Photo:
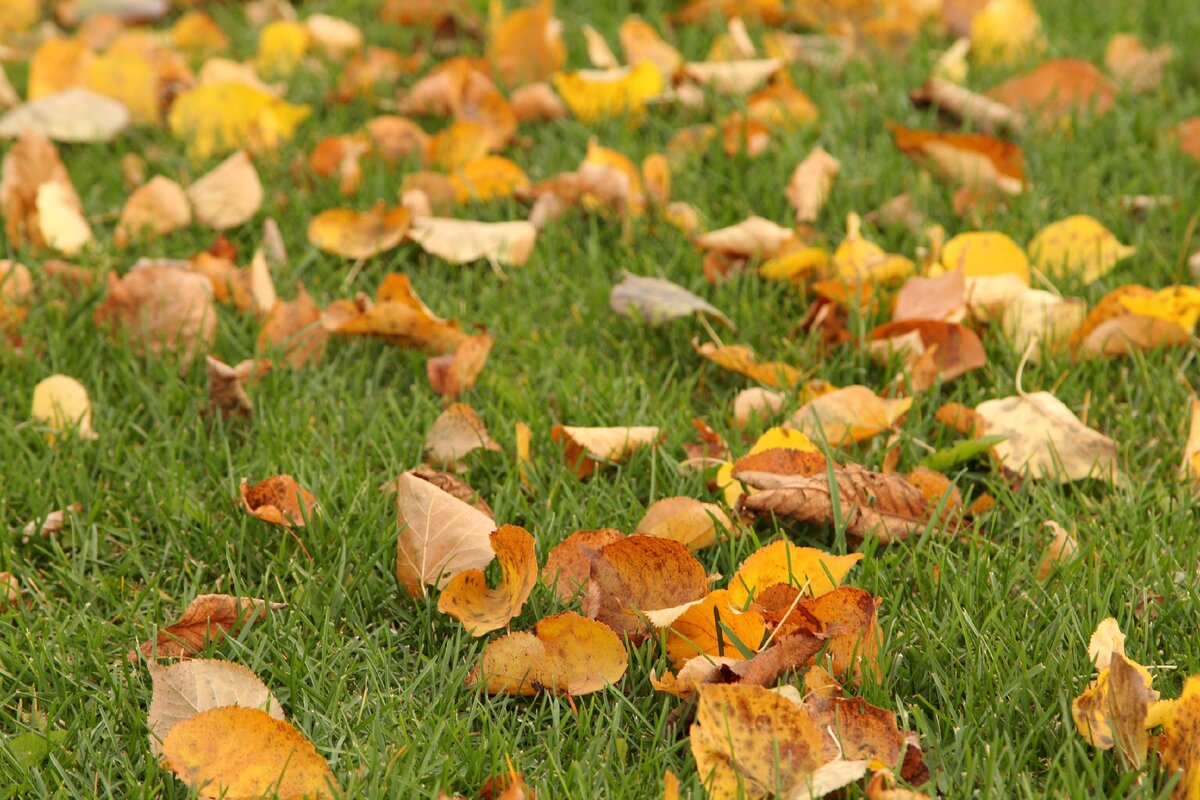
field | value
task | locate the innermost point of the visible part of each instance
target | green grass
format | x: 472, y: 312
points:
x: 982, y: 661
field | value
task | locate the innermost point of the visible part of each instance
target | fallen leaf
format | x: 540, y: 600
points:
x: 1187, y: 133
x: 61, y: 404
x: 1005, y: 32
x: 810, y: 184
x: 1191, y: 448
x: 234, y: 752
x: 457, y: 432
x: 282, y: 44
x: 1057, y: 90
x: 295, y: 328
x: 949, y: 350
x: 585, y: 448
x: 564, y: 653
x: 732, y: 77
x: 527, y: 45
x: 229, y: 195
x: 334, y: 36
x: 161, y: 310
x: 849, y: 414
x: 568, y: 566
x: 1134, y: 317
x: 969, y: 107
x: 440, y: 535
x: 73, y: 115
x: 461, y: 241
x: 187, y: 688
x: 1179, y: 746
x: 656, y: 300
x: 686, y: 520
x: 742, y: 360
x: 1033, y: 315
x: 593, y: 95
x: 813, y: 572
x: 208, y: 619
x: 870, y: 504
x: 359, y: 234
x: 639, y: 574
x: 975, y: 160
x: 278, y: 500
x: 1046, y: 440
x: 227, y: 385
x: 481, y: 610
x: 756, y: 403
x: 454, y: 373
x: 1064, y: 549
x: 641, y: 42
x: 537, y: 102
x: 155, y: 208
x: 10, y: 597
x: 488, y: 177
x: 49, y: 525
x: 1133, y: 64
x: 220, y: 117
x: 399, y: 316
x: 858, y: 260
x: 713, y: 626
x: 939, y: 298
x: 753, y: 237
x: 736, y: 743
x: 60, y: 220
x: 984, y: 254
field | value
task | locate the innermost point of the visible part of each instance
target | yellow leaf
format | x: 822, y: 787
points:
x: 199, y: 35
x: 481, y: 610
x: 695, y: 632
x: 488, y: 177
x: 130, y: 78
x: 985, y: 254
x: 239, y: 753
x: 527, y: 44
x: 795, y: 266
x: 61, y: 404
x: 1077, y: 245
x: 228, y: 116
x: 281, y: 46
x: 565, y: 653
x: 740, y: 359
x: 359, y: 234
x: 58, y: 64
x: 857, y: 259
x: 1191, y: 449
x: 1178, y: 304
x: 849, y: 414
x: 1180, y: 745
x: 1005, y: 32
x: 586, y: 447
x: 593, y: 95
x: 814, y: 571
x: 686, y: 520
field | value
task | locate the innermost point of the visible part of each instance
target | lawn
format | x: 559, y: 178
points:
x: 979, y: 658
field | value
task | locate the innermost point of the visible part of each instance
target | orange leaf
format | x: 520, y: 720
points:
x: 568, y: 566
x: 359, y: 234
x: 966, y: 159
x: 737, y: 358
x: 585, y: 448
x: 695, y: 632
x: 565, y: 653
x: 467, y: 597
x: 814, y: 571
x: 527, y: 45
x: 278, y: 500
x: 399, y: 316
x: 457, y: 432
x: 161, y: 310
x: 1056, y: 90
x: 641, y: 573
x: 455, y: 373
x: 294, y: 327
x: 206, y: 620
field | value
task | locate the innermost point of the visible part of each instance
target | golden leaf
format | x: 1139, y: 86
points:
x: 481, y: 610
x: 227, y: 116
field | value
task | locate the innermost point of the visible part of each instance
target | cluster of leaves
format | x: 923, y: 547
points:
x: 784, y: 614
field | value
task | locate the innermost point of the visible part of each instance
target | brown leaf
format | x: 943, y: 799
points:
x: 161, y: 310
x: 227, y: 385
x: 585, y: 448
x: 454, y: 373
x: 1056, y: 90
x: 187, y: 688
x: 776, y: 466
x: 295, y: 328
x: 966, y: 106
x: 440, y: 535
x: 481, y: 610
x: 884, y: 506
x: 641, y: 573
x: 810, y: 184
x: 229, y: 195
x: 943, y: 297
x: 207, y: 620
x: 278, y: 500
x: 564, y: 653
x: 568, y: 566
x: 457, y: 432
x: 965, y: 159
x: 954, y: 349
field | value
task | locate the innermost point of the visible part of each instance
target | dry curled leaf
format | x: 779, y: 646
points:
x: 227, y: 385
x: 31, y: 167
x: 399, y: 316
x: 974, y: 160
x: 161, y: 310
x: 187, y: 688
x: 278, y: 500
x: 241, y: 753
x: 810, y: 184
x: 480, y: 609
x: 564, y: 653
x: 871, y: 504
x: 585, y: 448
x: 440, y: 535
x: 295, y: 328
x: 208, y: 619
x: 454, y: 373
x: 640, y: 573
x: 1063, y: 549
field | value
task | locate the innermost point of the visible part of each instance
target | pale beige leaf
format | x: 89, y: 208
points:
x: 733, y: 77
x: 74, y: 115
x: 60, y: 220
x: 61, y: 404
x: 440, y: 535
x: 1045, y: 439
x: 455, y: 433
x: 810, y: 184
x: 229, y: 195
x: 184, y: 689
x: 460, y: 241
x: 753, y: 236
x: 158, y: 206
